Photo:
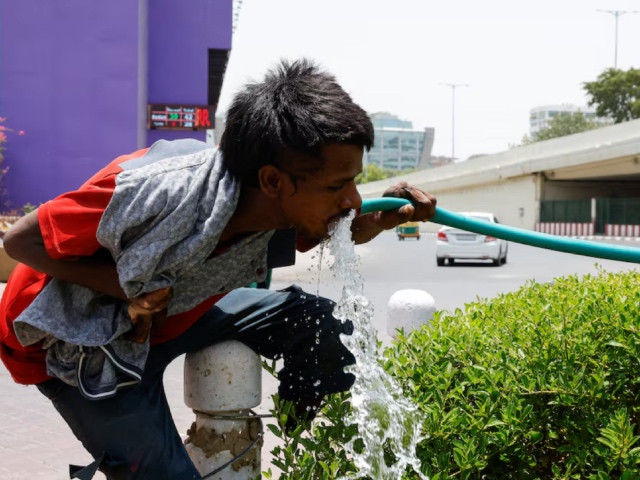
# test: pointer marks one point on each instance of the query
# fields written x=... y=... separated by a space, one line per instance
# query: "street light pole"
x=453 y=115
x=617 y=14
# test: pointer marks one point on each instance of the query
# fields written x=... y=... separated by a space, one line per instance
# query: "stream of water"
x=386 y=420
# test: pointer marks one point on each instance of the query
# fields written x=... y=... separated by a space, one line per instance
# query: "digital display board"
x=180 y=117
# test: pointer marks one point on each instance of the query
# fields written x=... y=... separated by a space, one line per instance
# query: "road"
x=36 y=444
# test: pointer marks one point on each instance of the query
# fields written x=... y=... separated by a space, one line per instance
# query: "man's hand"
x=147 y=310
x=421 y=209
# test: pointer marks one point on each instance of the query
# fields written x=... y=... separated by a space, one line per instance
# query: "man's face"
x=312 y=202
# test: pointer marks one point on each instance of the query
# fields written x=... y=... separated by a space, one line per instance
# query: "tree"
x=564 y=123
x=372 y=173
x=616 y=94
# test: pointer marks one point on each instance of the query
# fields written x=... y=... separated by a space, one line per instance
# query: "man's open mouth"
x=337 y=217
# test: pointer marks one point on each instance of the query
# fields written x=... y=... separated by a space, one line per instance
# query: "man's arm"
x=24 y=243
x=422 y=208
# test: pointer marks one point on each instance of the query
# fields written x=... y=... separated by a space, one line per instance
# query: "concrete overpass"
x=598 y=164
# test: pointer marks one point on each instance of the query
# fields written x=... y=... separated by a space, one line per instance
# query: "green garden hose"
x=518 y=235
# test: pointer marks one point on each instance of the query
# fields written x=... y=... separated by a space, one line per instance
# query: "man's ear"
x=270 y=180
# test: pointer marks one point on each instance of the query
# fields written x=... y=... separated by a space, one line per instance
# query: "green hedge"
x=541 y=383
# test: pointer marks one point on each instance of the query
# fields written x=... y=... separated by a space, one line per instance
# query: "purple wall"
x=179 y=39
x=76 y=77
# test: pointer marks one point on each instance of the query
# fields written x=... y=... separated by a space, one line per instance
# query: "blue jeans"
x=132 y=434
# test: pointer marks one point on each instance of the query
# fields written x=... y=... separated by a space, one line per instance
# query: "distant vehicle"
x=453 y=243
x=408 y=229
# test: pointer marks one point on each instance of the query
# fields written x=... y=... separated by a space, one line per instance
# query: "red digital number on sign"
x=180 y=117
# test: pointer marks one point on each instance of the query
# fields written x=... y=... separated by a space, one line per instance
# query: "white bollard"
x=408 y=309
x=224 y=380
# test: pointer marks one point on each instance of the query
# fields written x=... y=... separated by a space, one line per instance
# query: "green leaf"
x=275 y=430
x=494 y=422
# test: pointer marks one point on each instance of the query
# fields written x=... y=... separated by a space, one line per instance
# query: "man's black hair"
x=297 y=108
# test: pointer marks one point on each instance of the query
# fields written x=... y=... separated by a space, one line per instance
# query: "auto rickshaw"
x=408 y=229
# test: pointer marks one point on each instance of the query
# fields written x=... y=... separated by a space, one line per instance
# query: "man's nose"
x=352 y=198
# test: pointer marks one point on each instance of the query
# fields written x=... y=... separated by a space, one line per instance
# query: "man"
x=134 y=268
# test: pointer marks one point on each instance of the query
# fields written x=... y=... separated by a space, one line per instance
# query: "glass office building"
x=397 y=145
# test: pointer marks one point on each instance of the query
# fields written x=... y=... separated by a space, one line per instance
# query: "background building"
x=87 y=81
x=397 y=145
x=539 y=117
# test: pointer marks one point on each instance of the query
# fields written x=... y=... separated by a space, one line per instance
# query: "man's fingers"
x=158 y=298
x=146 y=311
x=141 y=328
x=423 y=204
x=151 y=302
x=424 y=208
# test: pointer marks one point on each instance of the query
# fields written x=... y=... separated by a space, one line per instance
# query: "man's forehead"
x=335 y=161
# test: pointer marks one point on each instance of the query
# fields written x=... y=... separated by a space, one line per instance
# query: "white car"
x=453 y=243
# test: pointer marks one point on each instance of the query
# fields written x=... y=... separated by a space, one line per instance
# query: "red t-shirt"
x=69 y=224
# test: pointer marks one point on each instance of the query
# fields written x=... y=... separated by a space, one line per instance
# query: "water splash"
x=389 y=425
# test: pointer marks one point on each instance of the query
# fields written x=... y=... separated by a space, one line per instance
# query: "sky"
x=401 y=56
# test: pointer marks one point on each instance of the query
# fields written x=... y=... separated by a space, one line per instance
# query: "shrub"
x=301 y=456
x=541 y=383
